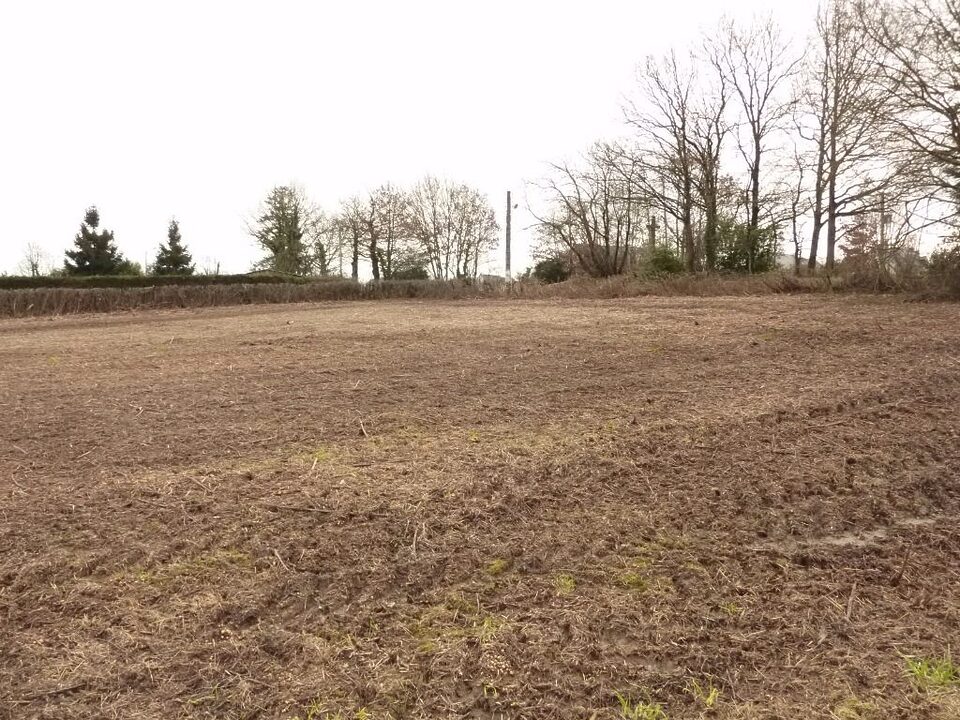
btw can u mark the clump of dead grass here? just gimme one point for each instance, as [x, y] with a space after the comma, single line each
[854, 708]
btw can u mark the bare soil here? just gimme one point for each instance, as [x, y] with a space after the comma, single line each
[481, 510]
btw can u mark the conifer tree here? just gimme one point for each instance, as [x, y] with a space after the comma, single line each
[286, 228]
[96, 252]
[173, 258]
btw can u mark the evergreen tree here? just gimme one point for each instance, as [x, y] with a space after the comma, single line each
[286, 228]
[95, 253]
[744, 250]
[173, 258]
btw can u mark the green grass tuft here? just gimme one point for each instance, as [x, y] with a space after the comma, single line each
[630, 710]
[933, 673]
[706, 696]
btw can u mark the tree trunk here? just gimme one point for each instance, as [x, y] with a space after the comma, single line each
[831, 222]
[753, 226]
[689, 245]
[375, 260]
[755, 189]
[710, 234]
[797, 250]
[833, 165]
[386, 264]
[815, 238]
[690, 250]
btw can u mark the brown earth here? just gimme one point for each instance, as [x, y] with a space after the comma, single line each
[481, 510]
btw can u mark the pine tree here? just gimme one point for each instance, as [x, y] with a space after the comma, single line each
[173, 258]
[96, 253]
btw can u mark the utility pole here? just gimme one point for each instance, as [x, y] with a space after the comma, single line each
[509, 210]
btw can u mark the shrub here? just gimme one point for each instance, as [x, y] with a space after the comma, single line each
[944, 271]
[130, 268]
[552, 270]
[664, 261]
[745, 252]
[410, 272]
[871, 263]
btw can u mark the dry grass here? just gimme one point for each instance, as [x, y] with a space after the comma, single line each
[726, 507]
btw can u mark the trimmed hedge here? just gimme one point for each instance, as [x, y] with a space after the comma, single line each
[63, 301]
[147, 281]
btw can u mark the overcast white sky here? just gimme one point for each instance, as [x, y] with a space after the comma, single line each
[197, 108]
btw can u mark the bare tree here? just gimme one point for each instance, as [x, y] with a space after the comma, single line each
[917, 46]
[35, 261]
[709, 130]
[596, 211]
[798, 208]
[389, 223]
[845, 118]
[454, 226]
[664, 118]
[429, 223]
[759, 66]
[880, 248]
[682, 123]
[348, 227]
[376, 226]
[208, 266]
[478, 230]
[324, 245]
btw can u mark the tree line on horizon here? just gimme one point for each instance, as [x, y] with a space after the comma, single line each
[95, 252]
[741, 145]
[436, 229]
